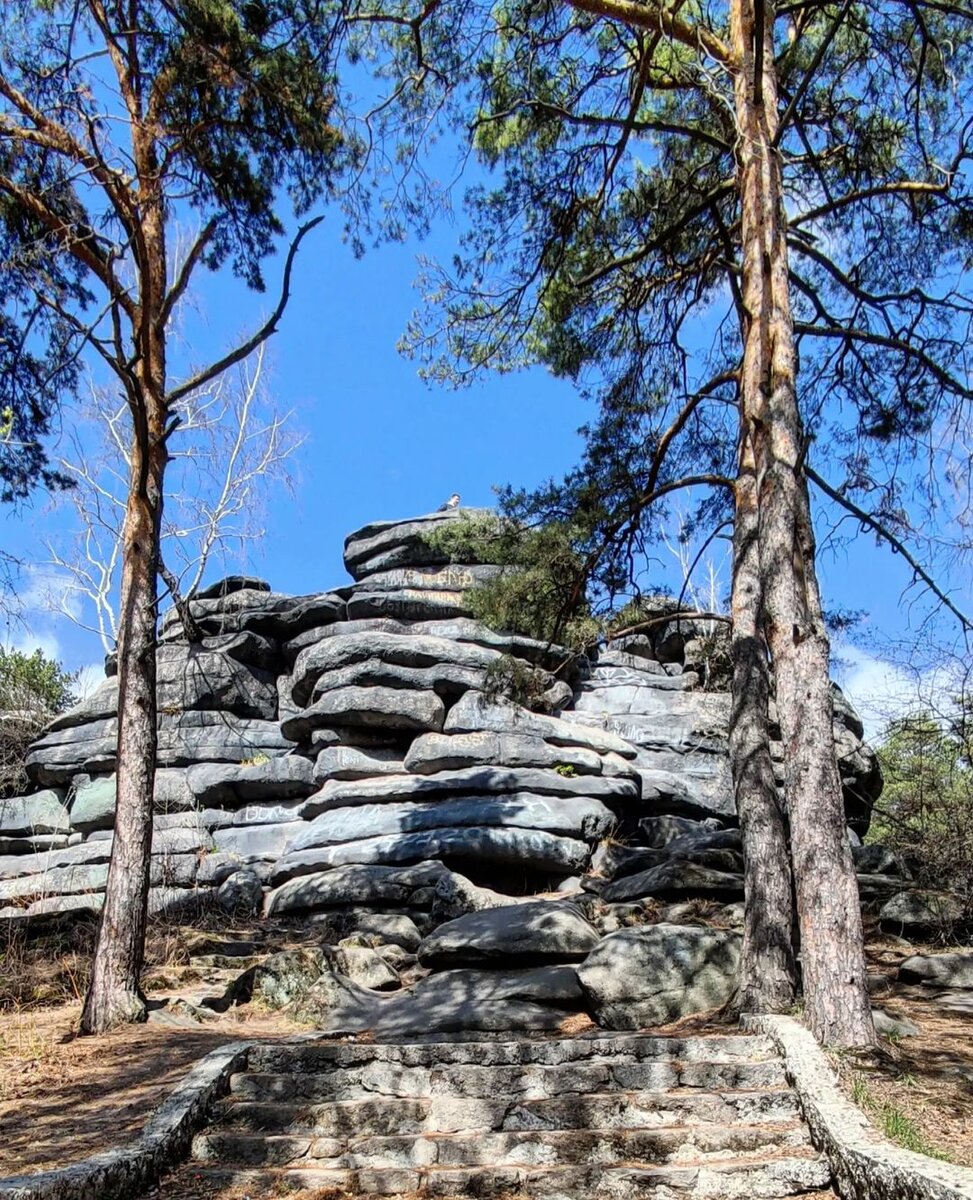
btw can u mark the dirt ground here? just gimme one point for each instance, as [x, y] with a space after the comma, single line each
[925, 1079]
[63, 1098]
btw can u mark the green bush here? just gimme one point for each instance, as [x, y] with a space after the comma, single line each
[925, 813]
[33, 690]
[540, 591]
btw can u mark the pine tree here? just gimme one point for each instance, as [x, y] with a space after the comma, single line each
[117, 119]
[724, 222]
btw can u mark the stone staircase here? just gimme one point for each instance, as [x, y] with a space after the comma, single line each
[610, 1115]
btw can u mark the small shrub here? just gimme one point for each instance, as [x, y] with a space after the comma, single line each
[565, 770]
[33, 690]
[515, 680]
[925, 813]
[541, 590]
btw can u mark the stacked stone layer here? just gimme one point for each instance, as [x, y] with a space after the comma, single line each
[342, 756]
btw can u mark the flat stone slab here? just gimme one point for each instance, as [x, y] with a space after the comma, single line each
[939, 970]
[256, 843]
[431, 753]
[575, 816]
[415, 651]
[354, 885]
[676, 879]
[557, 985]
[38, 813]
[393, 543]
[410, 604]
[399, 709]
[232, 784]
[530, 849]
[355, 762]
[658, 973]
[471, 781]
[475, 712]
[542, 932]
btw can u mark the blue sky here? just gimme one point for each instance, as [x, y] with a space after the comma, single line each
[380, 443]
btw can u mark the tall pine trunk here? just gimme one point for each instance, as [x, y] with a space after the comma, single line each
[829, 914]
[115, 995]
[768, 971]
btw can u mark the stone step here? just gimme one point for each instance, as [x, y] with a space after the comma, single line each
[655, 1147]
[529, 1081]
[771, 1177]
[445, 1114]
[311, 1057]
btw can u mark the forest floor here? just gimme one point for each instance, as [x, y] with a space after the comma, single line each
[64, 1097]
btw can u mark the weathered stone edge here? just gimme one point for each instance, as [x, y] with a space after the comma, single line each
[865, 1166]
[165, 1141]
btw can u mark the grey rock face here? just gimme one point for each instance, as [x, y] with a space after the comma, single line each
[414, 651]
[879, 860]
[659, 831]
[229, 584]
[203, 737]
[939, 970]
[435, 752]
[414, 604]
[658, 973]
[281, 978]
[93, 803]
[191, 678]
[100, 705]
[383, 708]
[353, 762]
[372, 694]
[556, 985]
[336, 1004]
[254, 843]
[66, 881]
[271, 614]
[353, 885]
[384, 544]
[529, 849]
[471, 781]
[475, 713]
[676, 879]
[529, 934]
[232, 784]
[14, 865]
[365, 968]
[39, 813]
[455, 896]
[920, 911]
[240, 893]
[575, 816]
[62, 753]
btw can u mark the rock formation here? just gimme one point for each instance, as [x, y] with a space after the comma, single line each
[346, 757]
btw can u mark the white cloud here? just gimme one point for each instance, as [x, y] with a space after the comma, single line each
[48, 590]
[89, 677]
[882, 690]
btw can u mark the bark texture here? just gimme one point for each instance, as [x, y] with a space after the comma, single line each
[115, 994]
[768, 969]
[832, 958]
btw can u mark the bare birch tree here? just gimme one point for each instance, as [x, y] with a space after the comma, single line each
[231, 449]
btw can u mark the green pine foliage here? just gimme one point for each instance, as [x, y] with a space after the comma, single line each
[541, 591]
[926, 809]
[33, 690]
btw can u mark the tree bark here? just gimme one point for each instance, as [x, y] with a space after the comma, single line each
[115, 994]
[768, 969]
[832, 959]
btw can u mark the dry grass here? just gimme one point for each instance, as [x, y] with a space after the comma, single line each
[917, 1090]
